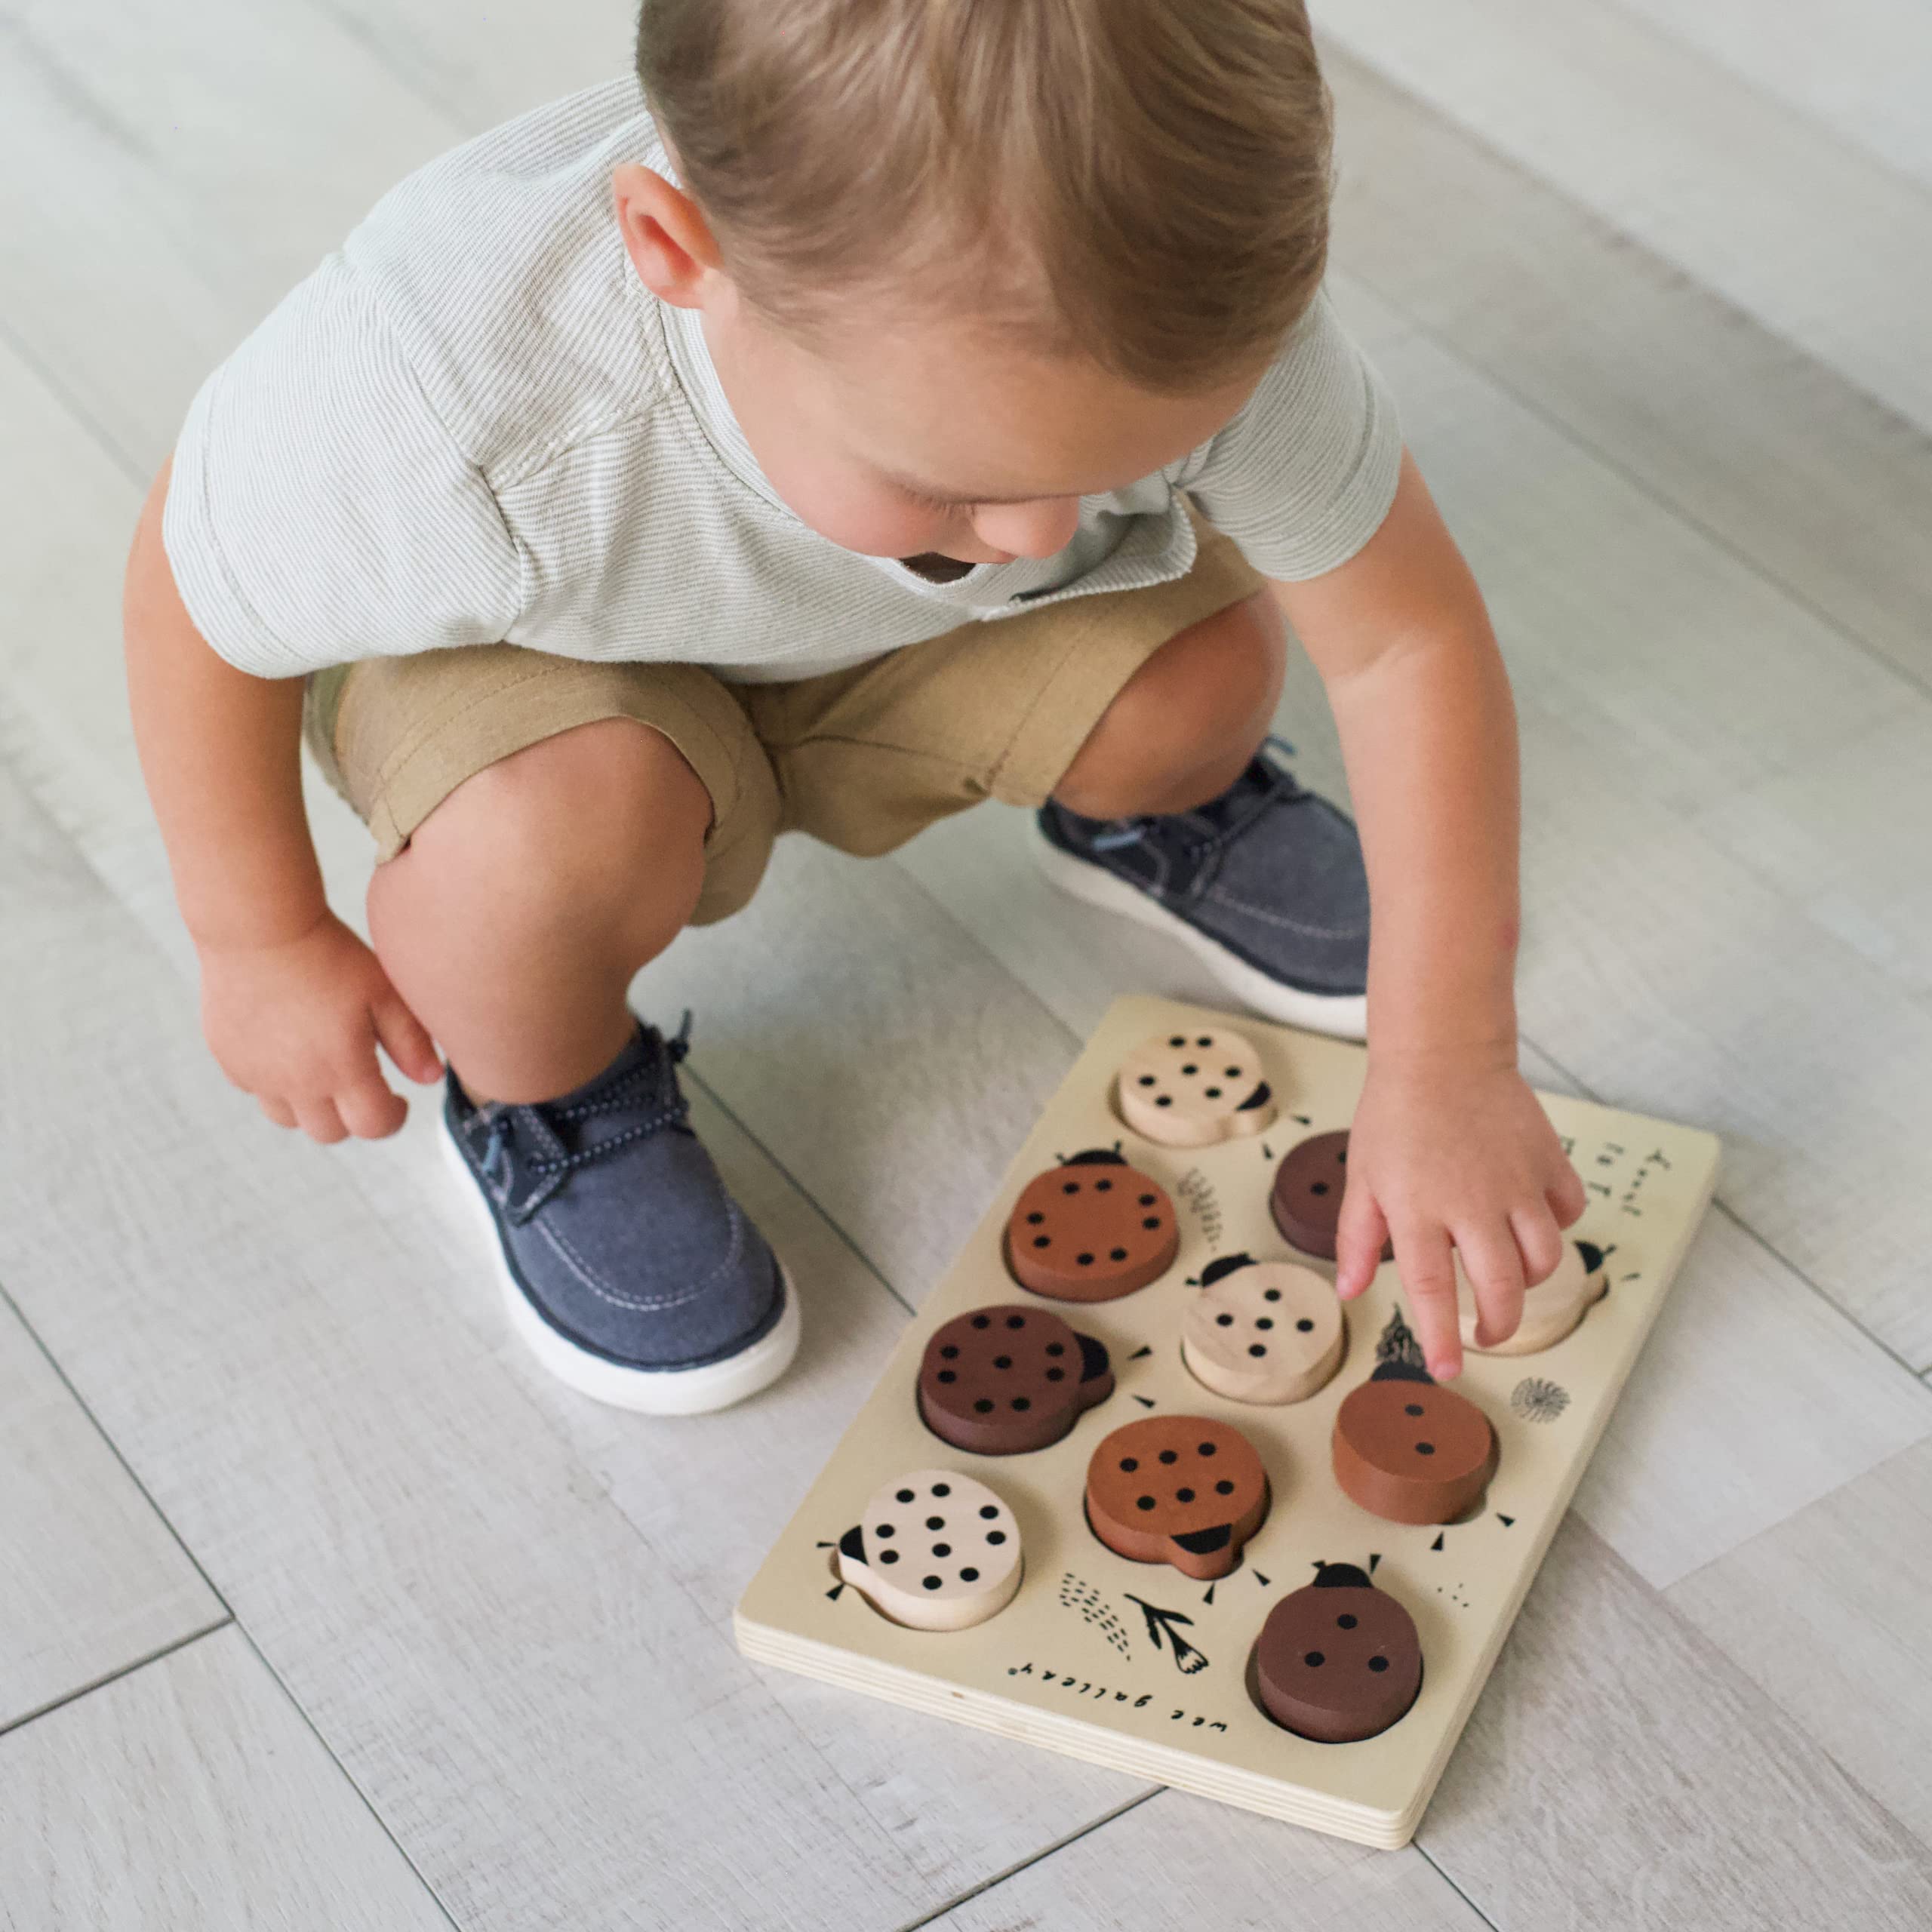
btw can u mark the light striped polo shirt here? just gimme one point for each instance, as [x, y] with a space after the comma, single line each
[473, 424]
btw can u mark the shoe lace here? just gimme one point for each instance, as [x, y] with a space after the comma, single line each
[1221, 818]
[549, 1169]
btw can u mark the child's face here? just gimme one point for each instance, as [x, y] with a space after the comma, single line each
[904, 433]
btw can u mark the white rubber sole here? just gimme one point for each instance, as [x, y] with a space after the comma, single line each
[1344, 1015]
[667, 1392]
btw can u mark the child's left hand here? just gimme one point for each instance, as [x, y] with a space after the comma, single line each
[1453, 1151]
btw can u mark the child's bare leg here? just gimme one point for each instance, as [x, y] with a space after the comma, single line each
[514, 919]
[1183, 727]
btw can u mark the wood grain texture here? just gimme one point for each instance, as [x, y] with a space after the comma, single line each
[91, 1580]
[1825, 248]
[1176, 1860]
[536, 1697]
[1827, 1613]
[189, 1796]
[1784, 461]
[1619, 1771]
[1862, 72]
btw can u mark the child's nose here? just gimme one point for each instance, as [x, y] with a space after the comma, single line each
[1036, 529]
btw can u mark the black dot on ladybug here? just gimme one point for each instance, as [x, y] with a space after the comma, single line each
[1151, 1221]
[1304, 1326]
[942, 1549]
[1224, 1322]
[1002, 1361]
[1016, 1320]
[1164, 1099]
[935, 1522]
[1176, 1041]
[1190, 1069]
[969, 1575]
[1034, 1220]
[1183, 1496]
[930, 1582]
[995, 1536]
[888, 1556]
[1039, 1240]
[948, 1375]
[1320, 1187]
[1023, 1402]
[884, 1530]
[1169, 1456]
[988, 1511]
[1234, 1073]
[1224, 1488]
[1144, 1502]
[1345, 1622]
[1424, 1448]
[1146, 1080]
[1257, 1349]
[1104, 1187]
[983, 1407]
[1412, 1408]
[1056, 1348]
[1204, 1041]
[1146, 1200]
[982, 1321]
[1116, 1254]
[1263, 1322]
[1213, 1093]
[942, 1489]
[949, 1353]
[1378, 1663]
[1055, 1375]
[1271, 1294]
[1085, 1260]
[1129, 1464]
[904, 1495]
[1070, 1187]
[1315, 1659]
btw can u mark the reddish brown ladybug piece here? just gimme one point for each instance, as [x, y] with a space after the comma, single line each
[1406, 1449]
[1001, 1381]
[1091, 1229]
[1338, 1661]
[1177, 1489]
[1307, 1197]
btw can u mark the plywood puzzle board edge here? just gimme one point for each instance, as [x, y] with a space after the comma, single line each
[1135, 1666]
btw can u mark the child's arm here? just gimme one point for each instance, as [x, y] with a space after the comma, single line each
[1449, 1145]
[293, 1003]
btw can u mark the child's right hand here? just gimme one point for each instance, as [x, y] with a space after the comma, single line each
[297, 1024]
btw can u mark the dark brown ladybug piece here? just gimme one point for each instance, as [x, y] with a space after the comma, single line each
[1406, 1449]
[1091, 1229]
[1339, 1660]
[1002, 1380]
[1177, 1489]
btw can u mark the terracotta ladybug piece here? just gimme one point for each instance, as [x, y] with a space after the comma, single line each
[1191, 1090]
[935, 1551]
[1091, 1229]
[1306, 1200]
[1263, 1331]
[1002, 1380]
[1177, 1489]
[1551, 1310]
[1406, 1449]
[1338, 1661]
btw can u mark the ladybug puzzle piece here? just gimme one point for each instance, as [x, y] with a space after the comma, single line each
[1406, 1449]
[1339, 1660]
[934, 1551]
[1092, 1230]
[1191, 1090]
[1002, 1380]
[1263, 1331]
[1306, 1198]
[1181, 1489]
[1551, 1310]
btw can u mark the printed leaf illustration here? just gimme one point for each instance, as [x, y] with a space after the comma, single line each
[1188, 1657]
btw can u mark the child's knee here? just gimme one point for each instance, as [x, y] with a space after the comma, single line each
[1182, 728]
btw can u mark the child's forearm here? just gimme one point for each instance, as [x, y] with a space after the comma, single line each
[1428, 733]
[220, 750]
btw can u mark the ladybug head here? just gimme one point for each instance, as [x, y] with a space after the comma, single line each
[1340, 1576]
[1225, 1266]
[1097, 1157]
[1593, 1256]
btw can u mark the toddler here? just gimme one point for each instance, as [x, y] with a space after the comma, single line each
[869, 407]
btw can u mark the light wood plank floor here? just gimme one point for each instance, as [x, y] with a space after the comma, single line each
[319, 1605]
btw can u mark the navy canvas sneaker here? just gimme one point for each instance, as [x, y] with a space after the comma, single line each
[626, 1265]
[1264, 883]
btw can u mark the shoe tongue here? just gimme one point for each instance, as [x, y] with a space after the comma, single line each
[1260, 781]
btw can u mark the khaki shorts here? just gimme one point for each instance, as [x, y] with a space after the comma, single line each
[862, 758]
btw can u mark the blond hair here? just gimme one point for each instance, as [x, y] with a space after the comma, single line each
[1142, 182]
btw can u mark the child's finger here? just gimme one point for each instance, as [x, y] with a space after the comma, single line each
[1429, 1279]
[1360, 1237]
[370, 1111]
[407, 1042]
[280, 1112]
[1566, 1199]
[1539, 1241]
[1495, 1269]
[320, 1122]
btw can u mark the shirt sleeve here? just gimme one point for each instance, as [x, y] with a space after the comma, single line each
[319, 511]
[1302, 478]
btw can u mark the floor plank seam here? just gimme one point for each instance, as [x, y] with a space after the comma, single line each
[225, 1622]
[1039, 1857]
[1422, 1851]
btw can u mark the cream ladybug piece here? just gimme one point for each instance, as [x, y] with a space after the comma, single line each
[1551, 1310]
[1263, 1331]
[1192, 1089]
[935, 1551]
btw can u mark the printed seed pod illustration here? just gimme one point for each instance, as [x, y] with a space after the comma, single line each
[1339, 1660]
[1091, 1229]
[935, 1551]
[1192, 1089]
[1406, 1449]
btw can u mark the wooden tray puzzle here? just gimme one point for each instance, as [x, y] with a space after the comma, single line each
[1134, 1665]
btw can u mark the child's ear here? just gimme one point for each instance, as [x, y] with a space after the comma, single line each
[666, 236]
